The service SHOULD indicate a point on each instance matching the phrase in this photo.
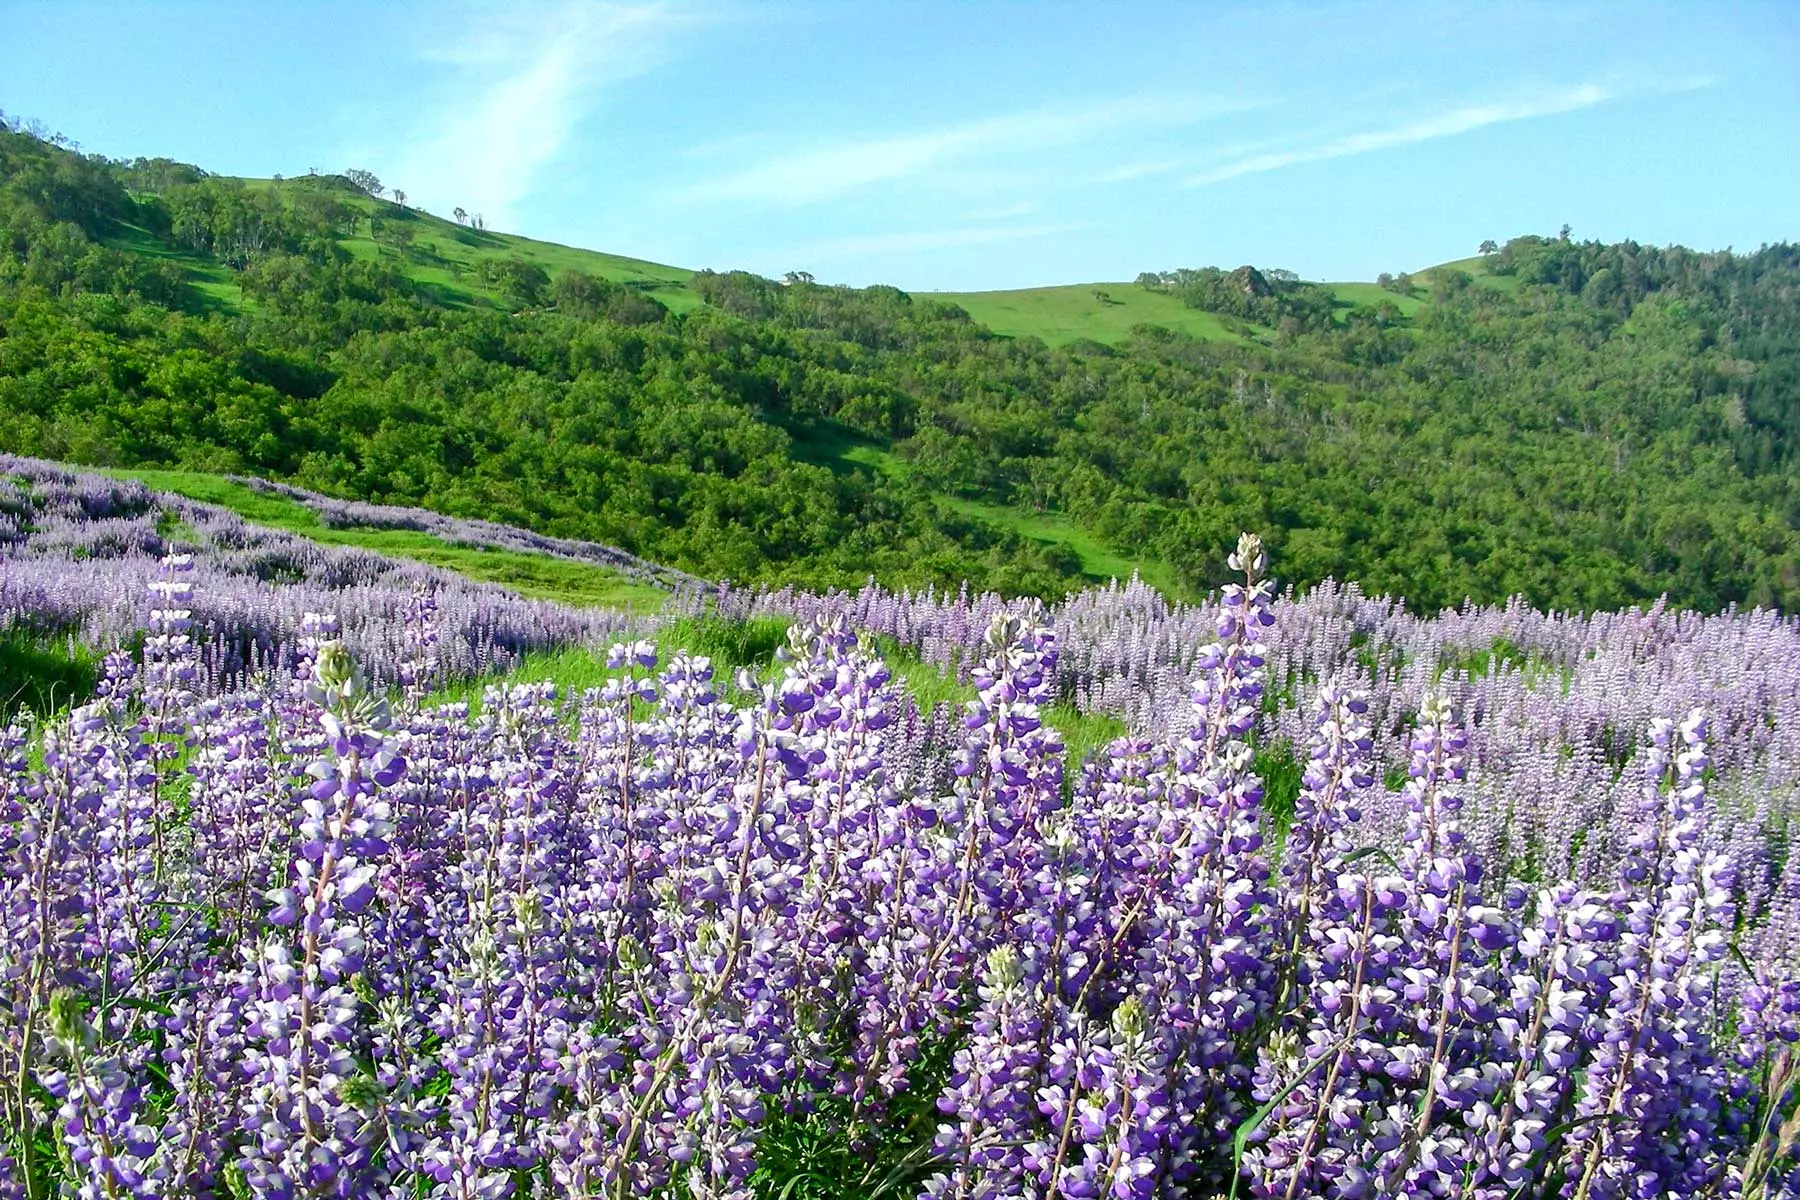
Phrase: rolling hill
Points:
(1588, 425)
(443, 258)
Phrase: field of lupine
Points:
(1493, 903)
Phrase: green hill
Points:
(1107, 312)
(1099, 312)
(1583, 424)
(445, 259)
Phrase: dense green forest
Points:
(1586, 424)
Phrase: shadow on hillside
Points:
(480, 239)
(823, 442)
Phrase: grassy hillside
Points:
(1587, 425)
(444, 258)
(1099, 312)
(1107, 312)
(539, 576)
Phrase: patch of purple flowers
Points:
(291, 930)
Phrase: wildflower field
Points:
(1491, 903)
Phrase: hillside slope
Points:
(1587, 425)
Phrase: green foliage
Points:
(1281, 771)
(1584, 425)
(573, 670)
(727, 642)
(1085, 734)
(43, 673)
(830, 1152)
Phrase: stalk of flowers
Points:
(30, 837)
(1339, 769)
(1650, 1096)
(708, 984)
(171, 669)
(117, 762)
(399, 984)
(842, 705)
(1025, 1025)
(1120, 806)
(204, 1043)
(1123, 1116)
(908, 879)
(1009, 776)
(1444, 1067)
(296, 727)
(1332, 1072)
(109, 1150)
(309, 1112)
(1201, 978)
(1768, 1085)
(614, 824)
(991, 1098)
(1200, 937)
(1224, 696)
(751, 1026)
(108, 767)
(62, 917)
(1553, 978)
(966, 889)
(106, 1117)
(501, 1018)
(420, 668)
(846, 815)
(240, 802)
(582, 1141)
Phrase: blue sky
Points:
(968, 145)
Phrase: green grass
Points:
(43, 673)
(444, 256)
(1372, 294)
(572, 669)
(215, 285)
(1097, 562)
(1073, 312)
(539, 576)
(733, 644)
(1076, 311)
(1478, 267)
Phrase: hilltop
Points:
(1587, 425)
(460, 264)
(456, 263)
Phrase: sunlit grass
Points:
(1100, 312)
(538, 576)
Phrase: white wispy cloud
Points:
(825, 171)
(524, 76)
(1455, 121)
(913, 241)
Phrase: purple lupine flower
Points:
(1653, 1063)
(308, 1105)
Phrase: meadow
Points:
(347, 875)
